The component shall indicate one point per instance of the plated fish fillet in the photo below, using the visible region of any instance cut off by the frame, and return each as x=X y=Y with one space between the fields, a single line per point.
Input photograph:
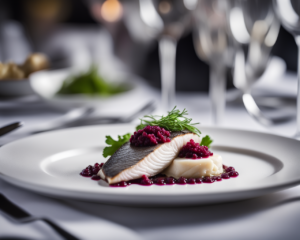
x=130 y=162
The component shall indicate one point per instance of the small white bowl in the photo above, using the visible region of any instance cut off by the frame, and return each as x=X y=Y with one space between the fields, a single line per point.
x=48 y=82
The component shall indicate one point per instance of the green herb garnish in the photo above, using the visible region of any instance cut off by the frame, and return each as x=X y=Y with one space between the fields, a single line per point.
x=206 y=141
x=174 y=121
x=90 y=83
x=115 y=144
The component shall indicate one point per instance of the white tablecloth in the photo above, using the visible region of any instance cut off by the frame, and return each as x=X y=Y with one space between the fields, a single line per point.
x=274 y=216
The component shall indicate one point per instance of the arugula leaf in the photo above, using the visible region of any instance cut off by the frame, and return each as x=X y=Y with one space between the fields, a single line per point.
x=115 y=144
x=206 y=141
x=175 y=121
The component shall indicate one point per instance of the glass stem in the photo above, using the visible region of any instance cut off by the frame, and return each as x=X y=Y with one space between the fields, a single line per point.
x=167 y=57
x=217 y=88
x=297 y=39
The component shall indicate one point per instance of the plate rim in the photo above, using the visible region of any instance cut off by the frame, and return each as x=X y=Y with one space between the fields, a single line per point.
x=33 y=187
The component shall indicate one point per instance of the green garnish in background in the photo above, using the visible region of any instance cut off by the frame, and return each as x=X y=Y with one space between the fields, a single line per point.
x=175 y=121
x=206 y=141
x=115 y=144
x=90 y=83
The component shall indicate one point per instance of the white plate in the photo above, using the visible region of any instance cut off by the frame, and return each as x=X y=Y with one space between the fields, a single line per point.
x=50 y=164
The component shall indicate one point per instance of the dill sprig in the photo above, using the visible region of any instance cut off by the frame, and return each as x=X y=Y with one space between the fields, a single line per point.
x=174 y=121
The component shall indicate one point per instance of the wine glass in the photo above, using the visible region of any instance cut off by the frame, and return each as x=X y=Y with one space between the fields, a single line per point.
x=168 y=20
x=288 y=12
x=255 y=28
x=213 y=44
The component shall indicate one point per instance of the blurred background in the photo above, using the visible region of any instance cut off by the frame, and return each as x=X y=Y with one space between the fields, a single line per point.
x=51 y=26
x=115 y=58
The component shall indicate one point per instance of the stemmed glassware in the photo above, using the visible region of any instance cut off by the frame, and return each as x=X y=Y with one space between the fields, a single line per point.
x=213 y=44
x=238 y=34
x=168 y=20
x=145 y=20
x=255 y=28
x=289 y=13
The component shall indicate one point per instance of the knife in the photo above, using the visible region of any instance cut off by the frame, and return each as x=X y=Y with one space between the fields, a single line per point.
x=18 y=215
x=8 y=128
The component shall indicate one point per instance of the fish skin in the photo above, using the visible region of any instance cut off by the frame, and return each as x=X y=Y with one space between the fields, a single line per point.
x=130 y=162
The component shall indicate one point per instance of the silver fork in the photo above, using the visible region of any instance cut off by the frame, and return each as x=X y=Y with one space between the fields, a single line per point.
x=78 y=117
x=18 y=215
x=70 y=117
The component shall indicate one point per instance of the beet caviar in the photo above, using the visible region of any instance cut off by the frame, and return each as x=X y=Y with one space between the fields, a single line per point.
x=194 y=150
x=150 y=136
x=160 y=179
x=91 y=171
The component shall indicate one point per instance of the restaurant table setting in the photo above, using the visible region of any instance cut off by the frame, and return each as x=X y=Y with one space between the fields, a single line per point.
x=87 y=220
x=48 y=136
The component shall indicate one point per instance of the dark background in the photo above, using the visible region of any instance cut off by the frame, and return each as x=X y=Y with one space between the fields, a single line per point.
x=191 y=73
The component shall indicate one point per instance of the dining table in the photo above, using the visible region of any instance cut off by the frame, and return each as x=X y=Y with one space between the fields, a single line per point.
x=274 y=215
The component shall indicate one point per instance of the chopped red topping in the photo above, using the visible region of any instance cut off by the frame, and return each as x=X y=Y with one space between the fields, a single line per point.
x=194 y=150
x=150 y=136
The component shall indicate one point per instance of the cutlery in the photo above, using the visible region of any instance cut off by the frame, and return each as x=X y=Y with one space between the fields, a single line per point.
x=68 y=118
x=80 y=121
x=147 y=108
x=18 y=215
x=77 y=117
x=8 y=128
